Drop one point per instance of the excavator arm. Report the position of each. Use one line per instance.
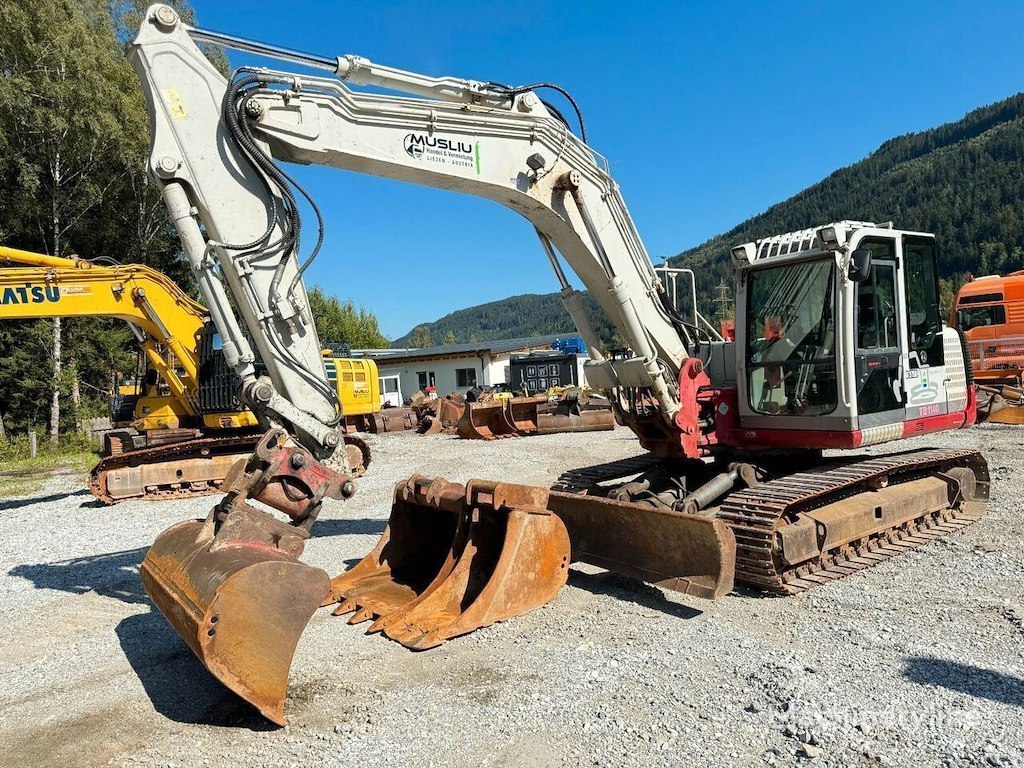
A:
(155, 308)
(239, 213)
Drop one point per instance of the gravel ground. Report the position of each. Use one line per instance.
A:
(917, 662)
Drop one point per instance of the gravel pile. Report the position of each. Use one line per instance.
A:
(917, 662)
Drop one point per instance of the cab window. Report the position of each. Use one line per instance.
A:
(791, 339)
(979, 317)
(923, 319)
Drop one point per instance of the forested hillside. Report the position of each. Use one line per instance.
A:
(530, 314)
(964, 181)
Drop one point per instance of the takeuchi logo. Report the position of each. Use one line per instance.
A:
(417, 143)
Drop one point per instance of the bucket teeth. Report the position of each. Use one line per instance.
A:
(363, 614)
(501, 554)
(346, 607)
(454, 558)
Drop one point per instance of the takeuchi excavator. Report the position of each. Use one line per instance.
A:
(839, 345)
(190, 428)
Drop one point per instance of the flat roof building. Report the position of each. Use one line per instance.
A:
(454, 367)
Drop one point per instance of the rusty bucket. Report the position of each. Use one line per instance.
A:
(455, 558)
(486, 420)
(524, 413)
(583, 420)
(239, 597)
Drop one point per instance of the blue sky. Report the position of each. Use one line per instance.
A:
(708, 112)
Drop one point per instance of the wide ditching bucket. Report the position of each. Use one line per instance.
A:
(454, 558)
(239, 597)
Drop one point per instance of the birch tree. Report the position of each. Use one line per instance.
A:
(71, 132)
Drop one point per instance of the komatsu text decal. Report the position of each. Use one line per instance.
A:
(30, 294)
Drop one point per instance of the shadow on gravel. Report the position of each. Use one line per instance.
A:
(974, 681)
(93, 503)
(355, 526)
(181, 688)
(16, 503)
(115, 574)
(631, 591)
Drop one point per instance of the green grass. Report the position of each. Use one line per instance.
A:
(28, 474)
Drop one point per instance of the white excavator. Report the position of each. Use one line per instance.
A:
(838, 345)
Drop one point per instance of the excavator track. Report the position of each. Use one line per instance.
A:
(584, 479)
(163, 471)
(757, 514)
(186, 468)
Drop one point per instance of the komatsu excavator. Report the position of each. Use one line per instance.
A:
(190, 435)
(839, 344)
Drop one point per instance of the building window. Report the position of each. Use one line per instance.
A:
(426, 379)
(465, 377)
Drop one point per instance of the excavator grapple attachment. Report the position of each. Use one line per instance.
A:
(454, 558)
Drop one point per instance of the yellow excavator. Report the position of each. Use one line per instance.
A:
(188, 428)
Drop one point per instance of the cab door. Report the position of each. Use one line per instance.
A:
(878, 339)
(926, 372)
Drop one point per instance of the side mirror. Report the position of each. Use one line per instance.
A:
(860, 265)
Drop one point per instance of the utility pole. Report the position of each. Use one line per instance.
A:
(723, 302)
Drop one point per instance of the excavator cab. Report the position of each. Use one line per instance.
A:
(841, 342)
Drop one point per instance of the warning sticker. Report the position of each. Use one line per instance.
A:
(175, 106)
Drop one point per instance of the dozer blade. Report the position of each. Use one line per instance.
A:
(587, 420)
(693, 554)
(240, 599)
(455, 558)
(485, 421)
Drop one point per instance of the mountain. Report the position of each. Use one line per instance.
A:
(530, 314)
(964, 181)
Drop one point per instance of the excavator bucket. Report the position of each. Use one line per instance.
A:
(524, 414)
(454, 558)
(1001, 405)
(486, 420)
(443, 416)
(240, 599)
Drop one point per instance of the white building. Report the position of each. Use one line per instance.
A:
(452, 367)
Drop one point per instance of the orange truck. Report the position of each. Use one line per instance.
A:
(990, 312)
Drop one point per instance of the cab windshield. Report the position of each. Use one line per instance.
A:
(791, 365)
